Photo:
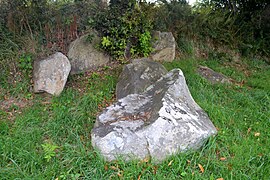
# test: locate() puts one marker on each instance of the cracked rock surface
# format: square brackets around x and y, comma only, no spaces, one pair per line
[161,121]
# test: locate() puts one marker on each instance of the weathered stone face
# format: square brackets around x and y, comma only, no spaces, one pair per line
[50,74]
[137,76]
[84,56]
[164,47]
[212,76]
[161,121]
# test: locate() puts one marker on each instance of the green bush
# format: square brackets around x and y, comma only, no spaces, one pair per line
[125,29]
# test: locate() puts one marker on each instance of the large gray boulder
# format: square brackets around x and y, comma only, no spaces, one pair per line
[137,76]
[164,47]
[50,74]
[157,123]
[84,55]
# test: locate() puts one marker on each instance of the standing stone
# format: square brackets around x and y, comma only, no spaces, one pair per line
[84,55]
[137,76]
[50,75]
[164,47]
[162,121]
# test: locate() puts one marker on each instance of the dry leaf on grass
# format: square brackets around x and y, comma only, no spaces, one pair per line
[222,158]
[170,163]
[201,168]
[119,174]
[248,131]
[145,160]
[219,179]
[155,169]
[257,134]
[114,168]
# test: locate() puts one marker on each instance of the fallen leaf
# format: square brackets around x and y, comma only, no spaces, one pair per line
[170,163]
[139,177]
[145,160]
[188,161]
[106,167]
[222,158]
[219,179]
[113,168]
[119,174]
[201,168]
[155,170]
[248,131]
[257,134]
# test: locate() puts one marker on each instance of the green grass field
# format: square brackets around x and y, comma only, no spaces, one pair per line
[49,138]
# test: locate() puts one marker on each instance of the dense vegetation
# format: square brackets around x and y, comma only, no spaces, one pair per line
[45,137]
[125,30]
[42,27]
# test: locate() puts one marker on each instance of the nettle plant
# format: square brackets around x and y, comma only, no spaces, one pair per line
[125,29]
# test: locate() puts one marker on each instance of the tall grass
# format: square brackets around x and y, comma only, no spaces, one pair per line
[9,48]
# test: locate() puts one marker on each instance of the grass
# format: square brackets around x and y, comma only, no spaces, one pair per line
[63,124]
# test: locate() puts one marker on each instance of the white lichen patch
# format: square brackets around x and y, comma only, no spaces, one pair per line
[109,143]
[145,74]
[129,124]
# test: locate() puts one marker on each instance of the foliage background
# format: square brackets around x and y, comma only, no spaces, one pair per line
[43,137]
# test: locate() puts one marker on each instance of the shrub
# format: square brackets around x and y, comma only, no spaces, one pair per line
[125,29]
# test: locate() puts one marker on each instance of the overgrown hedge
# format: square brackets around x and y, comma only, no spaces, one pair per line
[126,25]
[244,26]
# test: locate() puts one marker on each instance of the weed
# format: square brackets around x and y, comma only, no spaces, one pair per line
[25,64]
[4,129]
[49,150]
